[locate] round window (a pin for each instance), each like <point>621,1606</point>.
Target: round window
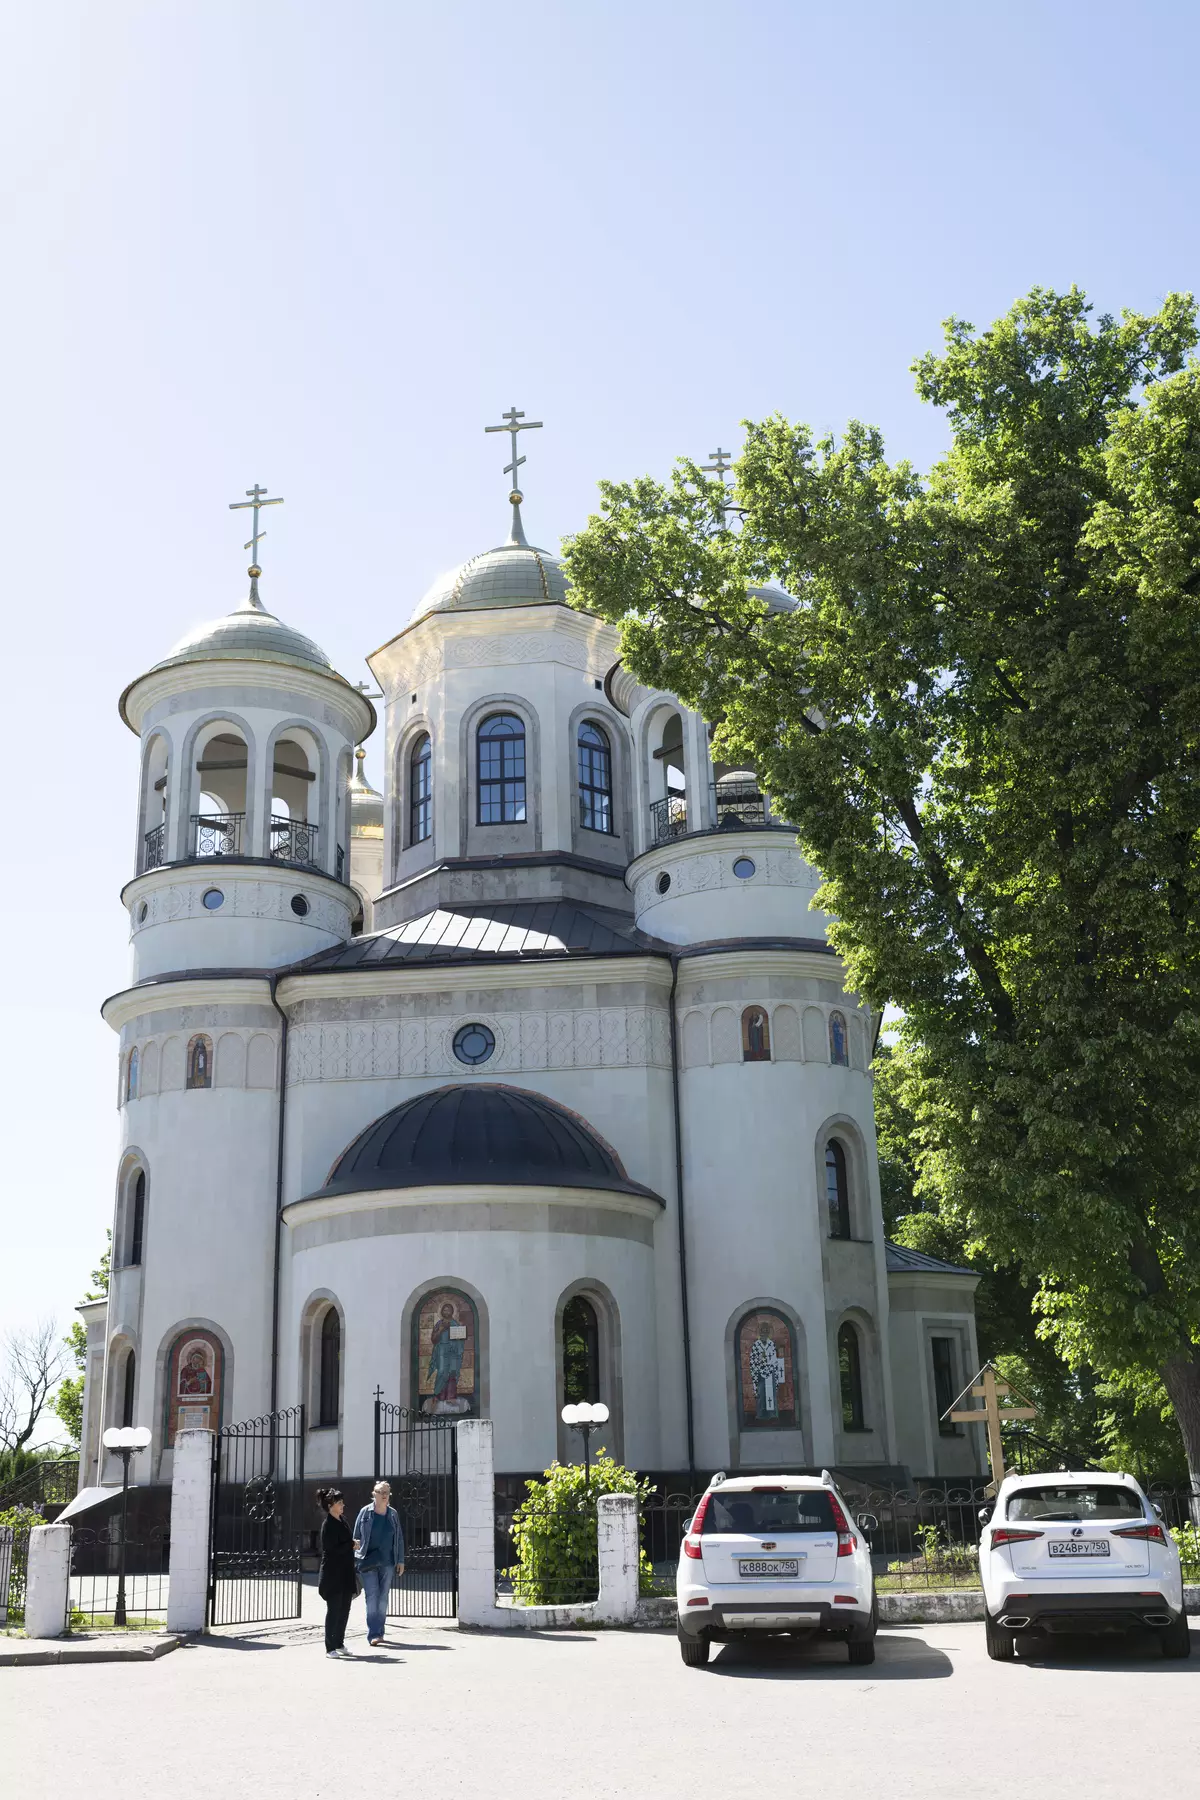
<point>473,1044</point>
<point>743,868</point>
<point>663,883</point>
<point>213,897</point>
<point>299,905</point>
<point>143,912</point>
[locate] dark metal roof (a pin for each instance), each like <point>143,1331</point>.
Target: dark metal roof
<point>517,929</point>
<point>481,1136</point>
<point>903,1261</point>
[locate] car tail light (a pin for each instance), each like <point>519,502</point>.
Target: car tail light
<point>845,1600</point>
<point>1007,1536</point>
<point>1152,1534</point>
<point>847,1542</point>
<point>691,1546</point>
<point>697,1523</point>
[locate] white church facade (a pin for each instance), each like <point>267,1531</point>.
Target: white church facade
<point>532,1077</point>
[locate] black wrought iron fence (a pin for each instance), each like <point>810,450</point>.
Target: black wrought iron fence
<point>97,1591</point>
<point>1179,1509</point>
<point>154,848</point>
<point>258,1519</point>
<point>217,834</point>
<point>44,1484</point>
<point>417,1456</point>
<point>668,819</point>
<point>14,1562</point>
<point>923,1536</point>
<point>739,803</point>
<point>546,1551</point>
<point>293,841</point>
<point>664,1524</point>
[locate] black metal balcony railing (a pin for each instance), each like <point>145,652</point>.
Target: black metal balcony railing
<point>293,841</point>
<point>668,819</point>
<point>739,803</point>
<point>341,862</point>
<point>154,849</point>
<point>217,834</point>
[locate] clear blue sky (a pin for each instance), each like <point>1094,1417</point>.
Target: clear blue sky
<point>322,246</point>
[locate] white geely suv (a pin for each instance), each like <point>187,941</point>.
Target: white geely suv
<point>1078,1553</point>
<point>774,1553</point>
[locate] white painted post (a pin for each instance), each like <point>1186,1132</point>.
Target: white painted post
<point>46,1578</point>
<point>476,1523</point>
<point>617,1546</point>
<point>191,1501</point>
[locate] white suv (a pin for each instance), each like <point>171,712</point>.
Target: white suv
<point>1079,1553</point>
<point>774,1553</point>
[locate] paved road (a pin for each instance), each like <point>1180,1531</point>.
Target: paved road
<point>261,1713</point>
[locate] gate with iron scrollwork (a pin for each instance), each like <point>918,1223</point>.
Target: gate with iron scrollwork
<point>257,1530</point>
<point>418,1457</point>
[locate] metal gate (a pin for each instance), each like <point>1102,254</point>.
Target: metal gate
<point>418,1457</point>
<point>257,1520</point>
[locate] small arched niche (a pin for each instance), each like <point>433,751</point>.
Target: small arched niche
<point>587,1334</point>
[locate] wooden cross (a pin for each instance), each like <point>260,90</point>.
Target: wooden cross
<point>991,1391</point>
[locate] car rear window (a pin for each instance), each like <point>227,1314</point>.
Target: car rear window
<point>764,1513</point>
<point>1104,1501</point>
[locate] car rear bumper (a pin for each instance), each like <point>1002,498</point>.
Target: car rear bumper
<point>1084,1612</point>
<point>743,1618</point>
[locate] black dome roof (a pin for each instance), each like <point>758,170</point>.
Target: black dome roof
<point>479,1135</point>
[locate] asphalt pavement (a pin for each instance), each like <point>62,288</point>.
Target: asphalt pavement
<point>261,1712</point>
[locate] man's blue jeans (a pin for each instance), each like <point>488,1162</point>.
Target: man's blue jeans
<point>376,1585</point>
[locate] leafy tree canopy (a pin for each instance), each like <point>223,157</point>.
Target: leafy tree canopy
<point>983,717</point>
<point>68,1400</point>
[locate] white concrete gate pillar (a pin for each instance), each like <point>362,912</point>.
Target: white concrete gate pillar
<point>476,1523</point>
<point>191,1502</point>
<point>47,1575</point>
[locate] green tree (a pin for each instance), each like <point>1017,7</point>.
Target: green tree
<point>983,717</point>
<point>68,1400</point>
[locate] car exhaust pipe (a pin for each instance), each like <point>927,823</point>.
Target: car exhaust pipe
<point>1015,1621</point>
<point>1157,1618</point>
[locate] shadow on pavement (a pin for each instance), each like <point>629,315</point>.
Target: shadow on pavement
<point>1123,1650</point>
<point>897,1658</point>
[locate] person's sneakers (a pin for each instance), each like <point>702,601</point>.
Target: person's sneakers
<point>343,1654</point>
<point>331,1655</point>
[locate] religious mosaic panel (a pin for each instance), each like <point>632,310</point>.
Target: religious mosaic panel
<point>446,1355</point>
<point>765,1352</point>
<point>194,1372</point>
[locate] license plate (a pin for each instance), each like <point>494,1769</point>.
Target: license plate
<point>1080,1547</point>
<point>759,1566</point>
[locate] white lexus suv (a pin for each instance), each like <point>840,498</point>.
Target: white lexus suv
<point>774,1553</point>
<point>1078,1553</point>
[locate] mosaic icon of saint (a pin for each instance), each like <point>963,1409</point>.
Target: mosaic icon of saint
<point>448,1344</point>
<point>767,1371</point>
<point>194,1377</point>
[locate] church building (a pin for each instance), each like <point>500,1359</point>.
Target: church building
<point>531,1077</point>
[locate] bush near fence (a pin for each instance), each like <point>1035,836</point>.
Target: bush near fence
<point>553,1535</point>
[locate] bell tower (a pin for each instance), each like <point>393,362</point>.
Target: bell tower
<point>242,848</point>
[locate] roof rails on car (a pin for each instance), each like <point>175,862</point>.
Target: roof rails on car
<point>826,1478</point>
<point>717,1479</point>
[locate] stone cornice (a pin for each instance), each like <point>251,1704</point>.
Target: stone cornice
<point>285,678</point>
<point>164,996</point>
<point>716,965</point>
<point>420,978</point>
<point>211,869</point>
<point>303,1212</point>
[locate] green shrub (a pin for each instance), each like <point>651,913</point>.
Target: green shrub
<point>1187,1541</point>
<point>22,1519</point>
<point>554,1533</point>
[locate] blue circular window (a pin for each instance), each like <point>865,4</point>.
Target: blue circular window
<point>213,897</point>
<point>473,1044</point>
<point>743,868</point>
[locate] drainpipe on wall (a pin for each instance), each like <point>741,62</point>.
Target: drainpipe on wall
<point>683,1282</point>
<point>283,1046</point>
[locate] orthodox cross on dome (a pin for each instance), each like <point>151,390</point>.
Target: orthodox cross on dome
<point>721,461</point>
<point>515,421</point>
<point>255,501</point>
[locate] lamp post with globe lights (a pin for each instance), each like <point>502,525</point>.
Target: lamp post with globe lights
<point>126,1440</point>
<point>585,1416</point>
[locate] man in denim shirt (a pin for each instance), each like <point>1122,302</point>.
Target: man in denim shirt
<point>378,1552</point>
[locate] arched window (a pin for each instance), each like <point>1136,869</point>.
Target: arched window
<point>199,1063</point>
<point>131,1075</point>
<point>331,1368</point>
<point>501,770</point>
<point>137,1219</point>
<point>128,1388</point>
<point>420,790</point>
<point>850,1376</point>
<point>580,1351</point>
<point>838,1040</point>
<point>836,1192</point>
<point>595,778</point>
<point>756,1035</point>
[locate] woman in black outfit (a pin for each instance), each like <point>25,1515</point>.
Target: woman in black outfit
<point>337,1582</point>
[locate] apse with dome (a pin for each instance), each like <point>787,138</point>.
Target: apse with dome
<point>524,1079</point>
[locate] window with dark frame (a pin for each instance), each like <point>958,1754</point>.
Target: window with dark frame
<point>128,1388</point>
<point>837,1194</point>
<point>420,790</point>
<point>131,1075</point>
<point>137,1223</point>
<point>756,1035</point>
<point>330,1368</point>
<point>945,1389</point>
<point>580,1351</point>
<point>500,749</point>
<point>595,779</point>
<point>199,1063</point>
<point>850,1377</point>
